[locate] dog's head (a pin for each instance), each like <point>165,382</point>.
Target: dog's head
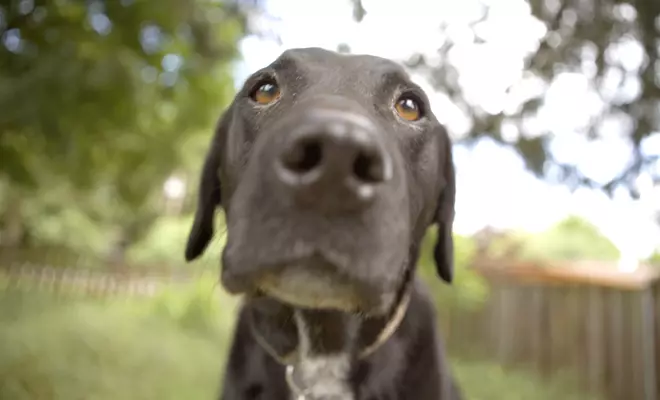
<point>330,168</point>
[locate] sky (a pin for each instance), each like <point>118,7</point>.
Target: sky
<point>493,187</point>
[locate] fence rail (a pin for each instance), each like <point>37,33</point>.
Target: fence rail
<point>97,283</point>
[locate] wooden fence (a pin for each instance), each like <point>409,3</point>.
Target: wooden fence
<point>586,318</point>
<point>63,271</point>
<point>88,282</point>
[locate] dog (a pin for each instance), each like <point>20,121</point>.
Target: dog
<point>330,169</point>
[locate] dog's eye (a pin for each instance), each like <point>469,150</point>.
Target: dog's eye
<point>265,92</point>
<point>408,108</point>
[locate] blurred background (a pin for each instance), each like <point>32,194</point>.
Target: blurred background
<point>106,110</point>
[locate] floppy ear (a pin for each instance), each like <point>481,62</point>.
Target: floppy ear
<point>443,253</point>
<point>210,191</point>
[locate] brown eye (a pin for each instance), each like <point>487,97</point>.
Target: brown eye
<point>408,108</point>
<point>266,93</point>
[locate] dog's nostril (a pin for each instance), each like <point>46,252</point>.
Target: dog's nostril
<point>304,156</point>
<point>368,168</point>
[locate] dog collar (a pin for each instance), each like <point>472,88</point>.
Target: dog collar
<point>391,326</point>
<point>290,359</point>
<point>299,391</point>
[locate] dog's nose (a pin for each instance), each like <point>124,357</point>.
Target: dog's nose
<point>335,161</point>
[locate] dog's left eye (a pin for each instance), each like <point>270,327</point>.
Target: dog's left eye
<point>265,92</point>
<point>408,108</point>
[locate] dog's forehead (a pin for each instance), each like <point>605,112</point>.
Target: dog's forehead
<point>328,68</point>
<point>326,59</point>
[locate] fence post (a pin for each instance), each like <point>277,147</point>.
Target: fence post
<point>507,329</point>
<point>615,345</point>
<point>596,342</point>
<point>656,294</point>
<point>537,322</point>
<point>648,343</point>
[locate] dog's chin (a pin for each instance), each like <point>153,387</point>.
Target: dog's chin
<point>313,283</point>
<point>304,287</point>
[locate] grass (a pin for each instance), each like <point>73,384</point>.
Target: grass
<point>164,348</point>
<point>481,380</point>
<point>169,347</point>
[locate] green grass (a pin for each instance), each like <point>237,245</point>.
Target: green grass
<point>165,348</point>
<point>169,347</point>
<point>489,381</point>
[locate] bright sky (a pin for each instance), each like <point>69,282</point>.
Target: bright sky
<point>493,187</point>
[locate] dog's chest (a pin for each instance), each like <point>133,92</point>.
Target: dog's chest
<point>319,375</point>
<point>320,378</point>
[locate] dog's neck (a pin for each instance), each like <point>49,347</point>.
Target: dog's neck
<point>326,347</point>
<point>320,347</point>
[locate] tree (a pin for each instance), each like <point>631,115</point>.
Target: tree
<point>654,259</point>
<point>571,239</point>
<point>584,37</point>
<point>99,98</point>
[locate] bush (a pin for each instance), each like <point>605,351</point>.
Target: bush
<point>198,307</point>
<point>468,291</point>
<point>166,240</point>
<point>571,239</point>
<point>165,244</point>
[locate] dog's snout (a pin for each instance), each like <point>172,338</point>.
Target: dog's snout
<point>334,155</point>
<point>303,155</point>
<point>334,147</point>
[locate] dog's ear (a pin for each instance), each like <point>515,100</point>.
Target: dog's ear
<point>443,253</point>
<point>210,193</point>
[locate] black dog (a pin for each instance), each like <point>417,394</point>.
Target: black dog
<point>330,169</point>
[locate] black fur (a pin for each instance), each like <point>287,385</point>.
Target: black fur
<point>371,246</point>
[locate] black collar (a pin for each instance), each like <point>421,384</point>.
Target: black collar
<point>273,326</point>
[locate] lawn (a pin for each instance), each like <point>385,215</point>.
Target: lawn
<point>169,347</point>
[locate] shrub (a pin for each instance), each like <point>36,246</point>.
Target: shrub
<point>468,290</point>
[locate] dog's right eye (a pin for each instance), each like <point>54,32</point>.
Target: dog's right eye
<point>408,108</point>
<point>265,92</point>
